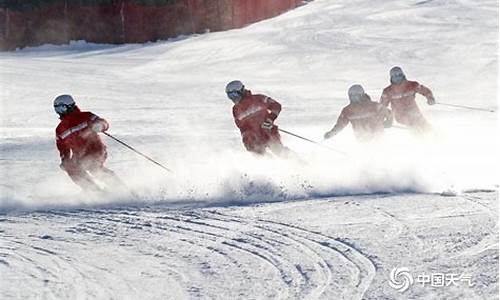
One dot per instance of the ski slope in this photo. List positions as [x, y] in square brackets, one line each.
[227, 225]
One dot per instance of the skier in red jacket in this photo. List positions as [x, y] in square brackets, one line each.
[81, 149]
[254, 115]
[368, 118]
[401, 96]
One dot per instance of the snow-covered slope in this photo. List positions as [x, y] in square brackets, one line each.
[321, 240]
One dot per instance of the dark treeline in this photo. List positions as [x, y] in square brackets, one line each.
[26, 5]
[36, 22]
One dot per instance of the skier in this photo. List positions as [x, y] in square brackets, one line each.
[401, 96]
[81, 150]
[368, 118]
[254, 115]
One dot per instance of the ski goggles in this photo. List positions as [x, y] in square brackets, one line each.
[61, 108]
[397, 78]
[235, 95]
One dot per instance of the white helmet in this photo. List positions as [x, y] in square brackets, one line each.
[64, 104]
[356, 93]
[235, 90]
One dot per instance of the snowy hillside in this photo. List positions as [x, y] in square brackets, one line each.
[226, 225]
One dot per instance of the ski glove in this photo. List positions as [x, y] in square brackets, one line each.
[431, 101]
[388, 123]
[97, 127]
[65, 164]
[267, 124]
[329, 134]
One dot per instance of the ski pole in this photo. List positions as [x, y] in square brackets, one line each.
[466, 107]
[400, 127]
[141, 154]
[310, 141]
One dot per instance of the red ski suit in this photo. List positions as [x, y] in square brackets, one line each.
[249, 115]
[401, 97]
[81, 149]
[367, 119]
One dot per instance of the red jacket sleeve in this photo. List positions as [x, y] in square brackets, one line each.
[96, 119]
[385, 99]
[423, 90]
[235, 116]
[64, 150]
[342, 122]
[273, 106]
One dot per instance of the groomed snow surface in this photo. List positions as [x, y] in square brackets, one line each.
[227, 225]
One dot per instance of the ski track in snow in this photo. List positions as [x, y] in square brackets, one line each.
[278, 251]
[225, 225]
[306, 262]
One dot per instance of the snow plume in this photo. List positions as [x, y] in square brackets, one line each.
[203, 175]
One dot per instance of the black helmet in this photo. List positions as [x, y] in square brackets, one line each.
[235, 90]
[356, 94]
[397, 75]
[64, 104]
